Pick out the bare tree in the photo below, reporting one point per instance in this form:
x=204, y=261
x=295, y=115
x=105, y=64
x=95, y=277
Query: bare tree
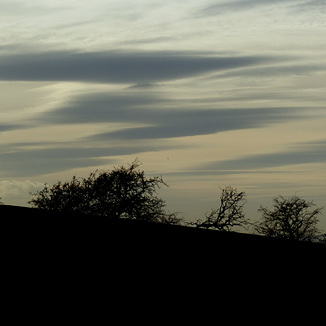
x=322, y=239
x=124, y=192
x=229, y=214
x=291, y=218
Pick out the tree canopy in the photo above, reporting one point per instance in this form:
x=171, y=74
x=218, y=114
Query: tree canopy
x=292, y=218
x=124, y=192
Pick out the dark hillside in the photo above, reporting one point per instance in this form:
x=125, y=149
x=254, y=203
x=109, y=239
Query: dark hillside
x=88, y=257
x=48, y=229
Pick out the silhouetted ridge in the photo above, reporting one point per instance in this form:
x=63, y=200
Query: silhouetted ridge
x=46, y=227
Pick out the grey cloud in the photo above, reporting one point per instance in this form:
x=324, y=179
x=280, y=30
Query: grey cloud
x=19, y=161
x=183, y=123
x=12, y=8
x=274, y=71
x=117, y=67
x=226, y=6
x=28, y=168
x=240, y=5
x=20, y=8
x=107, y=107
x=311, y=4
x=8, y=127
x=299, y=154
x=160, y=118
x=143, y=85
x=24, y=162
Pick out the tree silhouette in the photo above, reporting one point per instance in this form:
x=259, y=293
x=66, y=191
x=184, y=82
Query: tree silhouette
x=124, y=192
x=322, y=238
x=291, y=218
x=229, y=214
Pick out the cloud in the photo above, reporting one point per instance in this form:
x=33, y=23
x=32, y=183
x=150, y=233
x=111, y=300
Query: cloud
x=117, y=67
x=35, y=162
x=152, y=116
x=304, y=153
x=240, y=5
x=12, y=8
x=99, y=107
x=17, y=160
x=143, y=85
x=275, y=71
x=8, y=127
x=14, y=192
x=320, y=5
x=147, y=121
x=185, y=123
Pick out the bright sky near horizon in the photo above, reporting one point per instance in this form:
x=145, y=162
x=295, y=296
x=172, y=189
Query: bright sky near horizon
x=205, y=93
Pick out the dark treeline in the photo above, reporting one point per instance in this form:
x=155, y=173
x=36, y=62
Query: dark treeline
x=126, y=193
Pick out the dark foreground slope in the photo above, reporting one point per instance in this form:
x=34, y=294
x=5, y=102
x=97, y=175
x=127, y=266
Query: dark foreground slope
x=54, y=266
x=45, y=231
x=88, y=261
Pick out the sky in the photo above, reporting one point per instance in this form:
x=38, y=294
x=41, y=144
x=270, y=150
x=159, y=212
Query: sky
x=205, y=93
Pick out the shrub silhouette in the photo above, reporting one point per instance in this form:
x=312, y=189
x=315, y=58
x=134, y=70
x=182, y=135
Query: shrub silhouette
x=229, y=214
x=322, y=238
x=291, y=218
x=124, y=192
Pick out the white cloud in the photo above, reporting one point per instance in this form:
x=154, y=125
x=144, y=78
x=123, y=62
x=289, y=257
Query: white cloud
x=16, y=192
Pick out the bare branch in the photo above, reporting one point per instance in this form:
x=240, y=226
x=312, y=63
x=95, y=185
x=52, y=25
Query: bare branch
x=124, y=192
x=290, y=219
x=229, y=214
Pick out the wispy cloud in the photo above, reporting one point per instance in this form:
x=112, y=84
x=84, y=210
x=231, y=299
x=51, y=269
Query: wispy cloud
x=320, y=5
x=29, y=159
x=223, y=7
x=288, y=70
x=117, y=67
x=239, y=84
x=30, y=162
x=17, y=192
x=154, y=116
x=152, y=120
x=186, y=123
x=302, y=153
x=8, y=127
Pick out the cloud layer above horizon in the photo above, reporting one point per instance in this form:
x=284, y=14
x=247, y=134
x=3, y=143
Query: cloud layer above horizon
x=220, y=88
